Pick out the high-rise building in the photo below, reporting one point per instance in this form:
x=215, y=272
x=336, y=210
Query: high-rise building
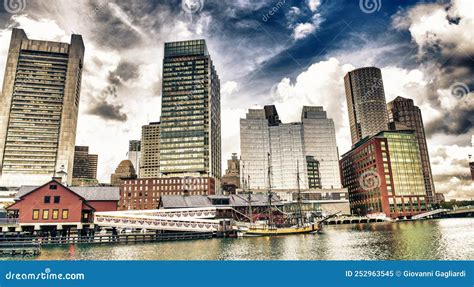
x=190, y=142
x=365, y=102
x=124, y=171
x=150, y=151
x=39, y=108
x=85, y=164
x=308, y=147
x=320, y=144
x=134, y=154
x=402, y=111
x=384, y=175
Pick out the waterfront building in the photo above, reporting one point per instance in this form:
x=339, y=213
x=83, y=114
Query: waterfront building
x=308, y=146
x=237, y=202
x=365, y=102
x=124, y=170
x=39, y=108
x=231, y=178
x=144, y=193
x=402, y=114
x=57, y=208
x=85, y=167
x=383, y=174
x=150, y=151
x=190, y=143
x=134, y=154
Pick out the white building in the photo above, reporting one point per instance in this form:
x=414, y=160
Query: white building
x=289, y=148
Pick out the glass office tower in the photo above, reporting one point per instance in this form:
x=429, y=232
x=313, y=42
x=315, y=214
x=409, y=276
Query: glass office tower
x=190, y=143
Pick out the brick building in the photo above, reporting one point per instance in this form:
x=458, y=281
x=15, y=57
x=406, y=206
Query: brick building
x=383, y=174
x=145, y=193
x=56, y=208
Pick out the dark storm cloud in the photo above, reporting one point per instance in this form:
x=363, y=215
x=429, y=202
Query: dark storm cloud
x=103, y=108
x=108, y=111
x=124, y=72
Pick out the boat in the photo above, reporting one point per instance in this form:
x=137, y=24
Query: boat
x=269, y=228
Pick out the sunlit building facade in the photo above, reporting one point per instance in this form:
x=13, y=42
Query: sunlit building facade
x=39, y=108
x=402, y=111
x=384, y=175
x=307, y=147
x=190, y=141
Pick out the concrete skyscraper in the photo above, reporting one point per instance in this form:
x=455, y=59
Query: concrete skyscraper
x=308, y=146
x=365, y=102
x=39, y=108
x=150, y=151
x=190, y=142
x=403, y=114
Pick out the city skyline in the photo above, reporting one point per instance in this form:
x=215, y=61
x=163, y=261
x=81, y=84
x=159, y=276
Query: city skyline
x=110, y=75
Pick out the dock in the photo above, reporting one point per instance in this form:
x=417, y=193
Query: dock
x=128, y=238
x=19, y=248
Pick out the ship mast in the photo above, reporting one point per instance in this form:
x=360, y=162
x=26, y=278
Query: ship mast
x=298, y=197
x=270, y=218
x=249, y=199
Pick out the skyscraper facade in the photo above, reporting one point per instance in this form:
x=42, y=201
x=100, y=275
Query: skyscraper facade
x=85, y=164
x=134, y=154
x=365, y=102
x=190, y=142
x=39, y=108
x=254, y=147
x=308, y=147
x=403, y=111
x=320, y=144
x=150, y=151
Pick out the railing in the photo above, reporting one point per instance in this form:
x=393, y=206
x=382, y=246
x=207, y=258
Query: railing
x=9, y=221
x=103, y=239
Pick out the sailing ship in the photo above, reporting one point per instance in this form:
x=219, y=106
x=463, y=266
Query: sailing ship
x=270, y=227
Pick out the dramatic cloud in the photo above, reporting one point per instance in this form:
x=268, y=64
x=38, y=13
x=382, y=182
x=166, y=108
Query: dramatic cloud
x=296, y=56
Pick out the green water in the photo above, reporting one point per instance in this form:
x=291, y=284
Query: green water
x=445, y=239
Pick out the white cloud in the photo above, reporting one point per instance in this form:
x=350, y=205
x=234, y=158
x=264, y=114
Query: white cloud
x=313, y=4
x=322, y=84
x=303, y=29
x=429, y=25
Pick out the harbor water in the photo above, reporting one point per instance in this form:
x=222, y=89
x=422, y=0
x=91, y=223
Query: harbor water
x=442, y=239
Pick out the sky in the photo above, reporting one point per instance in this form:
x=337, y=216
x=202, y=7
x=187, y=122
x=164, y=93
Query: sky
x=288, y=53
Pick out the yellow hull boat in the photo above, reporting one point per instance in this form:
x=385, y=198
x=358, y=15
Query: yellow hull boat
x=273, y=231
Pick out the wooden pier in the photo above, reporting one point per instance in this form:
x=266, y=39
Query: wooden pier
x=110, y=238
